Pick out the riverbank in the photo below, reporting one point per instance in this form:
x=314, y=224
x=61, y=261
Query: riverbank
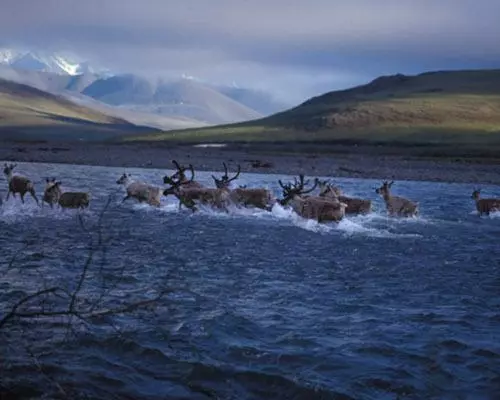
x=336, y=162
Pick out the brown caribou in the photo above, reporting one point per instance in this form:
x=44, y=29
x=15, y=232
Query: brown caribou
x=189, y=195
x=18, y=184
x=49, y=196
x=246, y=197
x=485, y=206
x=67, y=199
x=354, y=205
x=397, y=206
x=318, y=208
x=180, y=177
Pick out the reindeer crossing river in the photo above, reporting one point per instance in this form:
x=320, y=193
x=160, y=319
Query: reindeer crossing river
x=330, y=205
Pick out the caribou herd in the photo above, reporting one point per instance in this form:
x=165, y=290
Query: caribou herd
x=329, y=205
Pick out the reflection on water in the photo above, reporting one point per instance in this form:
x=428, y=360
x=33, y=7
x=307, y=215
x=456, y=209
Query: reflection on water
x=260, y=304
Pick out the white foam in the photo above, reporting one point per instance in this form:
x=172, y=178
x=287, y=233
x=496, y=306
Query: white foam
x=282, y=213
x=14, y=211
x=348, y=226
x=495, y=215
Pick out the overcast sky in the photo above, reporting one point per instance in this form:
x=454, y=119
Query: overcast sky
x=295, y=48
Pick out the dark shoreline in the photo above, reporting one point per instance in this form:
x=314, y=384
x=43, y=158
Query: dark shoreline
x=312, y=160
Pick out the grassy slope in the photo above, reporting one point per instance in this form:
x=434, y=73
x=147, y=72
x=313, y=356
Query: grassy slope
x=29, y=113
x=433, y=108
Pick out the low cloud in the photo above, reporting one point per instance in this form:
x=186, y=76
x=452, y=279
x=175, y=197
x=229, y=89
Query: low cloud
x=293, y=46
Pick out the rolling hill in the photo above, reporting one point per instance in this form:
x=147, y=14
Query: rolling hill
x=171, y=104
x=27, y=113
x=176, y=104
x=433, y=108
x=180, y=98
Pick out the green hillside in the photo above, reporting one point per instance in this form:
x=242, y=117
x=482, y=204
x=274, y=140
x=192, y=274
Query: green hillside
x=27, y=113
x=444, y=107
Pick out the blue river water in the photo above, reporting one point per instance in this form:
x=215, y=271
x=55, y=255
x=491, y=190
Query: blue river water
x=258, y=304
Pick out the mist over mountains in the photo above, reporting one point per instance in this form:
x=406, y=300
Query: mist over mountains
x=159, y=103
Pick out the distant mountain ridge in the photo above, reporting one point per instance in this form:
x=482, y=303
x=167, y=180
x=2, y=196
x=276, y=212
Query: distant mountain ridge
x=443, y=108
x=175, y=103
x=35, y=60
x=182, y=97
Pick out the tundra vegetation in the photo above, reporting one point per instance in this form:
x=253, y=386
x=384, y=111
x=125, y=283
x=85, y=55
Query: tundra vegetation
x=438, y=114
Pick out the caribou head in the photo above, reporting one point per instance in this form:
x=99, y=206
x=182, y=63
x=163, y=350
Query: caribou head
x=385, y=189
x=8, y=168
x=124, y=179
x=225, y=181
x=291, y=190
x=179, y=175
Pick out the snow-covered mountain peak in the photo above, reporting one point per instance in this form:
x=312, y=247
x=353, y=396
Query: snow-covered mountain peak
x=36, y=60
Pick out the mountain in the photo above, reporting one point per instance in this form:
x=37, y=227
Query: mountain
x=30, y=113
x=258, y=100
x=442, y=107
x=180, y=98
x=46, y=62
x=46, y=81
x=172, y=104
x=71, y=86
x=162, y=122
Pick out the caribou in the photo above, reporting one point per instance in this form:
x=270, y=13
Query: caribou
x=179, y=177
x=397, y=206
x=79, y=200
x=485, y=206
x=143, y=192
x=246, y=197
x=188, y=195
x=50, y=196
x=311, y=207
x=18, y=184
x=354, y=205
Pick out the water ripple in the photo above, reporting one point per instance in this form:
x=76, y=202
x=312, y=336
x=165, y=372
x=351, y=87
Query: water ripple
x=260, y=304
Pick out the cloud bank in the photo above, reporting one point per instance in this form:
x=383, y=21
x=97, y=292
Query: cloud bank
x=295, y=48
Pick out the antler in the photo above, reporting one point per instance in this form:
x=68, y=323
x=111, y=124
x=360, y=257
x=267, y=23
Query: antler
x=236, y=176
x=307, y=182
x=177, y=166
x=298, y=186
x=225, y=180
x=288, y=186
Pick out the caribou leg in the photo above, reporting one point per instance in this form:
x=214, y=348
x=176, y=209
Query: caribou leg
x=33, y=194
